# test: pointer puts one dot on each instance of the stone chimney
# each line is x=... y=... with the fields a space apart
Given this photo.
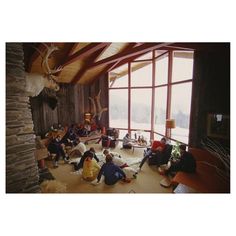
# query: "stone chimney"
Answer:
x=21 y=167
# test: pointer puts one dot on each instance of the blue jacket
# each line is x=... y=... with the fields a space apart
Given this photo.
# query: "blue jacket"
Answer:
x=111 y=172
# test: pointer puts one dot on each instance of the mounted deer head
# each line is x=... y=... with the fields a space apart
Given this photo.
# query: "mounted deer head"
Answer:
x=35 y=82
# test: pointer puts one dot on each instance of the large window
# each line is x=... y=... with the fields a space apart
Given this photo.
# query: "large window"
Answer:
x=180 y=110
x=141 y=108
x=141 y=74
x=182 y=66
x=161 y=70
x=118 y=78
x=160 y=110
x=171 y=85
x=118 y=108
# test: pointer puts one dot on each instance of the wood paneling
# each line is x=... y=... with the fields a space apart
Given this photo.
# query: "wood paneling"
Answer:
x=73 y=102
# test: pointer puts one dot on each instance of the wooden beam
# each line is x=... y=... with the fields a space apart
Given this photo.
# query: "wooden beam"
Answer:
x=122 y=62
x=35 y=56
x=129 y=98
x=132 y=52
x=153 y=96
x=71 y=50
x=88 y=63
x=105 y=70
x=114 y=64
x=87 y=50
x=130 y=46
x=168 y=48
x=73 y=47
x=169 y=88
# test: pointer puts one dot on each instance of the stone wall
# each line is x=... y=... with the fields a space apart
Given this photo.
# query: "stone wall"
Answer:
x=21 y=167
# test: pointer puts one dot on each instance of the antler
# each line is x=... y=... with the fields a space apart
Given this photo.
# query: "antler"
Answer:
x=50 y=50
x=94 y=107
x=99 y=107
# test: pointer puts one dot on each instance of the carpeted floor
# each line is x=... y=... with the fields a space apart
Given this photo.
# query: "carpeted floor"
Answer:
x=148 y=180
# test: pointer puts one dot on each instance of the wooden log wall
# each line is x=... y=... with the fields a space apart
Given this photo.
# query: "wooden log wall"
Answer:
x=73 y=102
x=21 y=167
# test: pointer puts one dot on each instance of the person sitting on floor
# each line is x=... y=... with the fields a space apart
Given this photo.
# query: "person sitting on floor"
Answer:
x=70 y=138
x=186 y=163
x=78 y=150
x=157 y=146
x=119 y=161
x=90 y=168
x=128 y=142
x=116 y=159
x=79 y=165
x=111 y=172
x=55 y=147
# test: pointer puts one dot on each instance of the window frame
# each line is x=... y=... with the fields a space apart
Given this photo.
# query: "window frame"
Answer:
x=153 y=87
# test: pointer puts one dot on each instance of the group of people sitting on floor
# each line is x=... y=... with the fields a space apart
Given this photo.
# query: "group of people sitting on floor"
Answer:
x=114 y=167
x=111 y=169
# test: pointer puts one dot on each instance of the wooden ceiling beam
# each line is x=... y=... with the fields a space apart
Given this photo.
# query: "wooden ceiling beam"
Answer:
x=88 y=63
x=104 y=71
x=73 y=47
x=132 y=52
x=70 y=52
x=119 y=63
x=130 y=46
x=87 y=50
x=173 y=47
x=113 y=65
x=122 y=62
x=35 y=56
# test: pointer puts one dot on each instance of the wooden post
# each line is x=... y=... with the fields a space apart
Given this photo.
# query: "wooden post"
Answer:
x=129 y=95
x=153 y=95
x=168 y=104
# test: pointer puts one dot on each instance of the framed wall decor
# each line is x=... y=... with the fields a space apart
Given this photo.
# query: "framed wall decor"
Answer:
x=218 y=125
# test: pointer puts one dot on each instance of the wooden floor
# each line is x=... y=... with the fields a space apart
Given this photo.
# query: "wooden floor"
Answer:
x=147 y=180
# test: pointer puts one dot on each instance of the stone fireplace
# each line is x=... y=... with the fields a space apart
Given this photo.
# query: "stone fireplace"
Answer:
x=22 y=174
